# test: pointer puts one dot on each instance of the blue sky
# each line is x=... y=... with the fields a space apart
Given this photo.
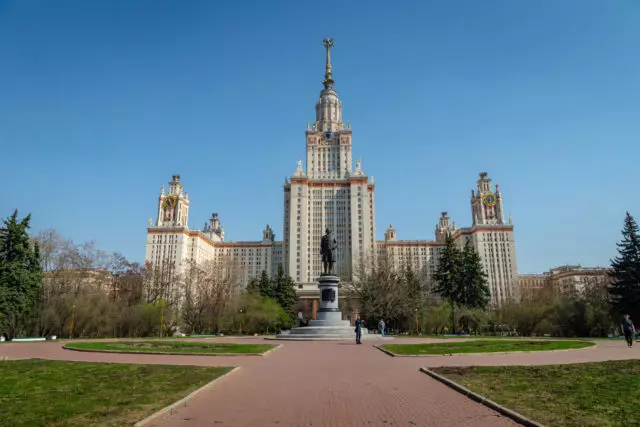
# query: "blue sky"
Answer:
x=102 y=101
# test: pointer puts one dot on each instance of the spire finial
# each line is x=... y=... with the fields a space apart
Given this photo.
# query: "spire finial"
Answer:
x=328 y=80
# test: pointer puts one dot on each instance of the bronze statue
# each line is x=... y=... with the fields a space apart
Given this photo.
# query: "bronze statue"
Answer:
x=328 y=247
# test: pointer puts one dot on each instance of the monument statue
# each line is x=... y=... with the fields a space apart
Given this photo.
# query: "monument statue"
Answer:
x=328 y=247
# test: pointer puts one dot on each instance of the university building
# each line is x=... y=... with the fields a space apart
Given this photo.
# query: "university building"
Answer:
x=566 y=280
x=329 y=192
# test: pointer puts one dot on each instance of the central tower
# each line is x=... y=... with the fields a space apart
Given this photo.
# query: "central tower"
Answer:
x=328 y=141
x=328 y=194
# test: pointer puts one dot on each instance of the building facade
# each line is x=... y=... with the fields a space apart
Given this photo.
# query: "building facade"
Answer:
x=329 y=192
x=489 y=235
x=171 y=244
x=566 y=280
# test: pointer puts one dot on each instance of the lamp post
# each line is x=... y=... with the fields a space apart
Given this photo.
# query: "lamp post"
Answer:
x=416 y=310
x=241 y=311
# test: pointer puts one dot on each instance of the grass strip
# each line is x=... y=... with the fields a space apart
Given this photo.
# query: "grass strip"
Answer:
x=584 y=394
x=180 y=347
x=36 y=392
x=483 y=346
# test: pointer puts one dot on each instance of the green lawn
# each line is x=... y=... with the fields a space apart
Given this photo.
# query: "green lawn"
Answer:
x=37 y=392
x=182 y=347
x=588 y=394
x=503 y=337
x=483 y=346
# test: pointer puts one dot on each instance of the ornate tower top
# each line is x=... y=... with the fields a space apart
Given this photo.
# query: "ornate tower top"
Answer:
x=328 y=80
x=175 y=186
x=268 y=235
x=329 y=107
x=484 y=183
x=173 y=207
x=486 y=206
x=444 y=227
x=390 y=234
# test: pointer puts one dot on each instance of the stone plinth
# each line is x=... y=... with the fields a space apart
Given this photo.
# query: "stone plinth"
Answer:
x=328 y=324
x=328 y=313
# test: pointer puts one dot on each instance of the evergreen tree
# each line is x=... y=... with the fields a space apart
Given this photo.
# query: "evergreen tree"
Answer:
x=460 y=277
x=253 y=287
x=414 y=294
x=285 y=292
x=448 y=274
x=413 y=286
x=473 y=291
x=20 y=276
x=266 y=286
x=625 y=272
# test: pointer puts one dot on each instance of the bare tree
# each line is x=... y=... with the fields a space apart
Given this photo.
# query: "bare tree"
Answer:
x=383 y=290
x=596 y=287
x=209 y=288
x=50 y=243
x=162 y=281
x=72 y=275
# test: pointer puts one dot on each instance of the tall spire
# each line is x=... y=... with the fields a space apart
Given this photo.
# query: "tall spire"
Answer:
x=328 y=107
x=328 y=80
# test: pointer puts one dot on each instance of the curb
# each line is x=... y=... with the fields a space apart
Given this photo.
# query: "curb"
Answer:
x=272 y=350
x=385 y=351
x=515 y=416
x=165 y=354
x=486 y=353
x=182 y=402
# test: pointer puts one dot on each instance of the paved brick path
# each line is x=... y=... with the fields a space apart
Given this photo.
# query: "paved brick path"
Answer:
x=331 y=384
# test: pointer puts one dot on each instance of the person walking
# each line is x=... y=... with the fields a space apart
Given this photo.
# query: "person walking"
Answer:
x=300 y=319
x=358 y=330
x=629 y=330
x=381 y=326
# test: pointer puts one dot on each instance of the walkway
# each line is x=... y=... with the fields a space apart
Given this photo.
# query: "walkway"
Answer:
x=331 y=384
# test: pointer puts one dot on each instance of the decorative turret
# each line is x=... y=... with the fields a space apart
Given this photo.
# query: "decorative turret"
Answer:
x=358 y=171
x=268 y=235
x=390 y=234
x=175 y=186
x=214 y=222
x=444 y=227
x=213 y=229
x=173 y=207
x=486 y=206
x=299 y=173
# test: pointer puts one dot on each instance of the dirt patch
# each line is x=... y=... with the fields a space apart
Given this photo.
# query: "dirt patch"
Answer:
x=452 y=370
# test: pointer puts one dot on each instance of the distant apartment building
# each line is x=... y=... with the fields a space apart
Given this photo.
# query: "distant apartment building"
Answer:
x=563 y=281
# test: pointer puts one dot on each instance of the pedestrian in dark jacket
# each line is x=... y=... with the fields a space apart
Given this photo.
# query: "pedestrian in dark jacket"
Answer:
x=629 y=329
x=358 y=330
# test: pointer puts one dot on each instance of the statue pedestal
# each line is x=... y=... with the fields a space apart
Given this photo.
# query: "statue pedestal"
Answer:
x=328 y=313
x=328 y=324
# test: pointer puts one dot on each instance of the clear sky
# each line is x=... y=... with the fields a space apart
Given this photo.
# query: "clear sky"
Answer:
x=102 y=101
